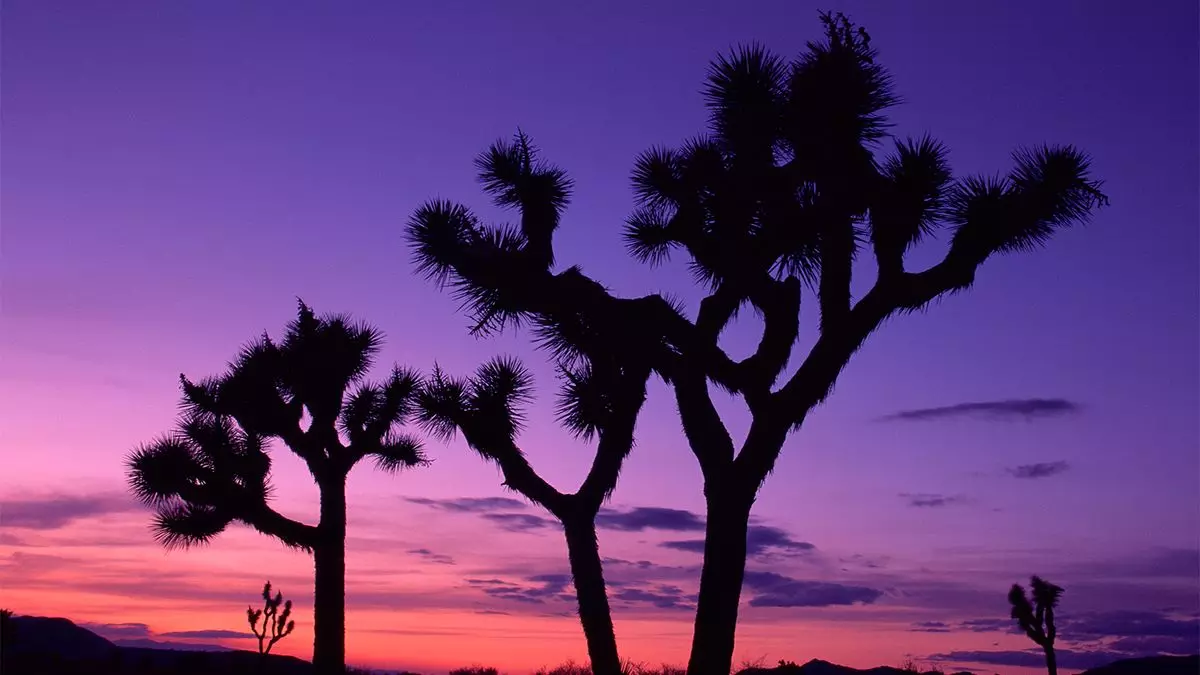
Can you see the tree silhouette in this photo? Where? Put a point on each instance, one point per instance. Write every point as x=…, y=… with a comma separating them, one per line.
x=276, y=625
x=778, y=197
x=214, y=469
x=600, y=402
x=1036, y=618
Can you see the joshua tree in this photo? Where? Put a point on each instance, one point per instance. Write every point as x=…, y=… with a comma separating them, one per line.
x=276, y=625
x=1037, y=618
x=215, y=469
x=595, y=401
x=778, y=197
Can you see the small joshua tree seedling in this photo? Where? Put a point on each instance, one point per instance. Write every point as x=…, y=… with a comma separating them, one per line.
x=1036, y=618
x=276, y=624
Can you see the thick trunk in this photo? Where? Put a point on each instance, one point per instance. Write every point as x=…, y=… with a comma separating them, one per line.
x=594, y=613
x=329, y=603
x=1051, y=660
x=720, y=581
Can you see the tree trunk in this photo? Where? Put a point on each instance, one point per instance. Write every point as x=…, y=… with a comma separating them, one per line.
x=594, y=614
x=329, y=603
x=720, y=581
x=1051, y=660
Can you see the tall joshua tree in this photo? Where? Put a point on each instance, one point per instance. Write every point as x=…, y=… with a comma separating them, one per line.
x=596, y=401
x=603, y=374
x=1037, y=618
x=214, y=469
x=774, y=202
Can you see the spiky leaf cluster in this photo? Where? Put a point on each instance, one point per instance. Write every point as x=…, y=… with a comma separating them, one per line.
x=214, y=468
x=1035, y=616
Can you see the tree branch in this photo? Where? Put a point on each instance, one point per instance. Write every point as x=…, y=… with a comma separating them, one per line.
x=779, y=302
x=815, y=378
x=702, y=425
x=616, y=440
x=519, y=476
x=837, y=259
x=263, y=518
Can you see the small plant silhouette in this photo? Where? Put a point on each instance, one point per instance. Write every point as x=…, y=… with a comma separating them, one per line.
x=1036, y=618
x=276, y=625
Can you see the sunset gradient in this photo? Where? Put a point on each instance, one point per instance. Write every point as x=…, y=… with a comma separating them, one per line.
x=176, y=174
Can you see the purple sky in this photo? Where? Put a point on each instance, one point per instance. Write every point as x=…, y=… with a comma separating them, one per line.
x=175, y=174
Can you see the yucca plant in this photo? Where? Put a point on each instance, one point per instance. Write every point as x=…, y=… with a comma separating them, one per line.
x=775, y=201
x=276, y=624
x=600, y=402
x=1036, y=618
x=308, y=393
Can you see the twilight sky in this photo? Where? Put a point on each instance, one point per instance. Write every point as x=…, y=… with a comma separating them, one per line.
x=176, y=174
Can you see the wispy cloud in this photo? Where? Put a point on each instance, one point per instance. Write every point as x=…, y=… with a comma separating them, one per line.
x=1162, y=563
x=207, y=634
x=649, y=518
x=1067, y=658
x=469, y=504
x=761, y=540
x=1039, y=470
x=989, y=626
x=520, y=522
x=118, y=631
x=777, y=590
x=438, y=558
x=1009, y=409
x=52, y=512
x=926, y=500
x=535, y=589
x=930, y=627
x=1129, y=623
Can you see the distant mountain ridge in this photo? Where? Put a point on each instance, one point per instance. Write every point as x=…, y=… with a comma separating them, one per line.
x=57, y=646
x=819, y=667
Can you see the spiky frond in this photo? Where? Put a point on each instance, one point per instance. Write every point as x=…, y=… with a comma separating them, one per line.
x=499, y=391
x=912, y=195
x=1049, y=188
x=744, y=95
x=442, y=404
x=163, y=470
x=583, y=406
x=513, y=174
x=439, y=233
x=648, y=236
x=1045, y=594
x=656, y=179
x=252, y=390
x=980, y=210
x=370, y=413
x=359, y=410
x=322, y=355
x=181, y=524
x=837, y=94
x=1021, y=608
x=399, y=451
x=485, y=291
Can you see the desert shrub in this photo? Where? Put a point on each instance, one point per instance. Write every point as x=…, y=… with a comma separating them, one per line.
x=475, y=670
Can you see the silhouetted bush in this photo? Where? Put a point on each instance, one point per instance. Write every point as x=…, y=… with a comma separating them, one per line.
x=475, y=670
